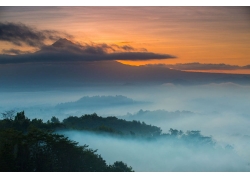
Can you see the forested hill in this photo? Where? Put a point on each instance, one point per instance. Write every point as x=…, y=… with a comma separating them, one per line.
x=89, y=122
x=97, y=124
x=111, y=125
x=29, y=145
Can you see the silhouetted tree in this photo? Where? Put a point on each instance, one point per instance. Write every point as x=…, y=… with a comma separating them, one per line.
x=8, y=114
x=54, y=120
x=27, y=146
x=119, y=166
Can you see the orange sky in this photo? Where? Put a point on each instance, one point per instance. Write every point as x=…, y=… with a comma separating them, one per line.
x=193, y=34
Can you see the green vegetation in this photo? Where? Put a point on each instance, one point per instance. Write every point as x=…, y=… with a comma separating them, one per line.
x=112, y=125
x=30, y=145
x=134, y=129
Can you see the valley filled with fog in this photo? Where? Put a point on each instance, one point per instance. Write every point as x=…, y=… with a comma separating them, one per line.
x=217, y=110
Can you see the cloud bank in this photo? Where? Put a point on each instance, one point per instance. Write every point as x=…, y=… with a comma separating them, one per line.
x=64, y=50
x=200, y=66
x=20, y=34
x=14, y=51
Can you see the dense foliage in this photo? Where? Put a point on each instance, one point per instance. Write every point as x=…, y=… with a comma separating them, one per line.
x=111, y=124
x=135, y=129
x=29, y=145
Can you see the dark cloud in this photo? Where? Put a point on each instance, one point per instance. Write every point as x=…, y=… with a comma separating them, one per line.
x=246, y=67
x=14, y=51
x=64, y=50
x=137, y=56
x=115, y=48
x=20, y=34
x=199, y=66
x=130, y=48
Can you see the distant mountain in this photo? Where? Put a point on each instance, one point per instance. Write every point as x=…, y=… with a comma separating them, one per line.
x=50, y=72
x=157, y=115
x=105, y=73
x=96, y=102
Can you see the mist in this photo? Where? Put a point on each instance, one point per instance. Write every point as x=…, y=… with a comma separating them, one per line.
x=217, y=110
x=162, y=155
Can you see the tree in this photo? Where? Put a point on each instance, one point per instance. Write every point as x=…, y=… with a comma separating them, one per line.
x=8, y=114
x=119, y=166
x=174, y=132
x=20, y=116
x=54, y=120
x=42, y=151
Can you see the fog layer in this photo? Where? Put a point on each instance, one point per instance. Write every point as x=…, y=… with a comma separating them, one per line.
x=217, y=110
x=162, y=155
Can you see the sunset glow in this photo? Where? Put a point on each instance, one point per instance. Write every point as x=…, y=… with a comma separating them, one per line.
x=191, y=34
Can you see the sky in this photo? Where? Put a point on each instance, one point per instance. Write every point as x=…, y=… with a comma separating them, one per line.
x=191, y=38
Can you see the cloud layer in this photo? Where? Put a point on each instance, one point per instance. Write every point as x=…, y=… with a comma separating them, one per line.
x=199, y=66
x=14, y=51
x=20, y=34
x=64, y=50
